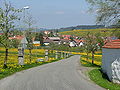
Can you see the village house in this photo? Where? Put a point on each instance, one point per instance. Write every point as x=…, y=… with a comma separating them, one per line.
x=111, y=60
x=18, y=37
x=64, y=41
x=1, y=33
x=48, y=40
x=79, y=42
x=72, y=44
x=66, y=37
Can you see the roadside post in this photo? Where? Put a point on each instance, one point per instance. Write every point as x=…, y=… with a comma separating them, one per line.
x=56, y=55
x=61, y=54
x=67, y=54
x=20, y=56
x=64, y=54
x=46, y=55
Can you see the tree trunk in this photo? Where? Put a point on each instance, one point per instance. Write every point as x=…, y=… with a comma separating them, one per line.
x=92, y=57
x=30, y=53
x=87, y=56
x=6, y=58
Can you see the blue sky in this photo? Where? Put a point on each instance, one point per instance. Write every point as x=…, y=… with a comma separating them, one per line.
x=57, y=13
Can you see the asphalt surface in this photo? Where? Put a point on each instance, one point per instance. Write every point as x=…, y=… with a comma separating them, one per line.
x=61, y=75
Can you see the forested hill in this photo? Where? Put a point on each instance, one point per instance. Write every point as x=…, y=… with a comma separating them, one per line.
x=81, y=27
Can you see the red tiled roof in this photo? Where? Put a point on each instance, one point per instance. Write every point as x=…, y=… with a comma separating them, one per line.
x=1, y=33
x=79, y=40
x=113, y=44
x=17, y=37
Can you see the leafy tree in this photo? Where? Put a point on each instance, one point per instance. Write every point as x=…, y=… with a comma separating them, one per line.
x=51, y=34
x=108, y=11
x=15, y=43
x=8, y=16
x=91, y=45
x=116, y=33
x=99, y=40
x=29, y=35
x=39, y=37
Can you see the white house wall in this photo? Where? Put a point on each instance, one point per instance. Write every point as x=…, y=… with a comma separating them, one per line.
x=109, y=56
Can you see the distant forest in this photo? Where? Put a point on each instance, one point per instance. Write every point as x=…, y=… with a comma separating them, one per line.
x=81, y=27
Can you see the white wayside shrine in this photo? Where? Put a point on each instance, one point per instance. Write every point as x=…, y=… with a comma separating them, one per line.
x=20, y=56
x=111, y=60
x=24, y=42
x=21, y=51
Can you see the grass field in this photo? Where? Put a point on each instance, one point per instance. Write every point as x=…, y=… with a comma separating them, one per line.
x=97, y=59
x=83, y=32
x=13, y=56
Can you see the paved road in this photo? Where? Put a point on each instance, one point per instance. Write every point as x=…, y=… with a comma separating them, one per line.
x=61, y=75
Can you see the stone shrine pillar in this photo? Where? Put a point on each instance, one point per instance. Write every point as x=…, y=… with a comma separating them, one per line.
x=46, y=55
x=56, y=55
x=62, y=55
x=67, y=54
x=20, y=56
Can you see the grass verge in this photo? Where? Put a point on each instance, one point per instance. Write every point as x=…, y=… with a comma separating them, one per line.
x=97, y=75
x=99, y=78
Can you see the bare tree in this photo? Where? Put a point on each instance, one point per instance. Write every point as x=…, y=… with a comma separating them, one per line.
x=29, y=35
x=8, y=16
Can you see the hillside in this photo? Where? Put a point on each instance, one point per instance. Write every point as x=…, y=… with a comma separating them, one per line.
x=83, y=32
x=80, y=27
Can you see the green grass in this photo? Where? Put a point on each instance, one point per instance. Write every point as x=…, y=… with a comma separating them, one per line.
x=88, y=64
x=101, y=79
x=98, y=76
x=83, y=32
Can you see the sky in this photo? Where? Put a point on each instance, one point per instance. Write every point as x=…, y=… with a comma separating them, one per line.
x=57, y=13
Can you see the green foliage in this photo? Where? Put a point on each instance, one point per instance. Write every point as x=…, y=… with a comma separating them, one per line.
x=63, y=47
x=89, y=64
x=91, y=45
x=39, y=37
x=101, y=79
x=8, y=16
x=15, y=43
x=116, y=33
x=83, y=32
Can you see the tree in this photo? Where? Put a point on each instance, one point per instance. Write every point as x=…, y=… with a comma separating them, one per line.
x=99, y=40
x=91, y=45
x=29, y=35
x=39, y=37
x=108, y=11
x=8, y=16
x=51, y=34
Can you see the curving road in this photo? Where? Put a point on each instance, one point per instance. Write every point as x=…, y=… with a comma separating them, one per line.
x=61, y=75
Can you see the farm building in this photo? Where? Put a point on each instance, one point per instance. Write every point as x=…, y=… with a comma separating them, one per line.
x=111, y=60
